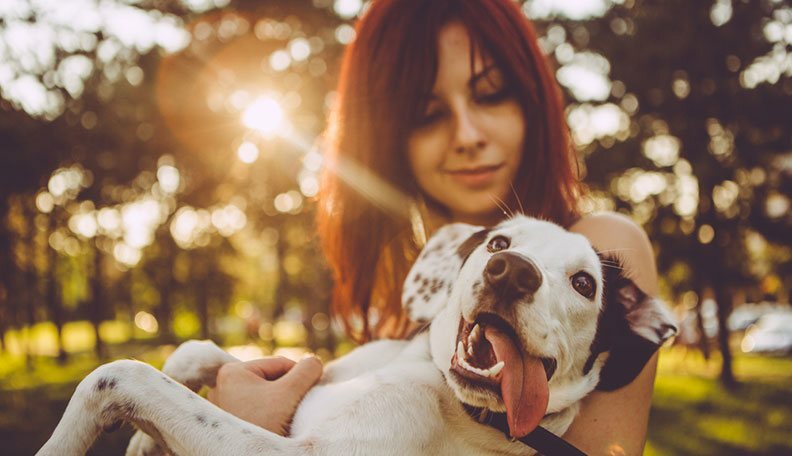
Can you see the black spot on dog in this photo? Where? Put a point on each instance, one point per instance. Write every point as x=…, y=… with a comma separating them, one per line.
x=629, y=351
x=215, y=424
x=410, y=300
x=470, y=244
x=167, y=380
x=200, y=419
x=106, y=383
x=417, y=278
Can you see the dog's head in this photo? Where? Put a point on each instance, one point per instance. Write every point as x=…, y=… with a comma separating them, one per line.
x=527, y=318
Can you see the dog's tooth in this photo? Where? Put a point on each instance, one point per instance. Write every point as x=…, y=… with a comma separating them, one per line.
x=470, y=368
x=495, y=370
x=475, y=332
x=460, y=352
x=470, y=349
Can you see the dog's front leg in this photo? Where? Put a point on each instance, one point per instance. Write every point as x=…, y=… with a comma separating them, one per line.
x=193, y=364
x=183, y=421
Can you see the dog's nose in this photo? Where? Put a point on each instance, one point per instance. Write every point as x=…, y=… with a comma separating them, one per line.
x=512, y=273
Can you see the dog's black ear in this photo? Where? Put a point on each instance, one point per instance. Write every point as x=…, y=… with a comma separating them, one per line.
x=632, y=326
x=430, y=280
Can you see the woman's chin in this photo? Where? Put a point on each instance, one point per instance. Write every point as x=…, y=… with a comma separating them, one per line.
x=484, y=214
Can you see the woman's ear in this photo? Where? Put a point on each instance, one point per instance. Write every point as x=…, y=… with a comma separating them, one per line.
x=429, y=282
x=632, y=326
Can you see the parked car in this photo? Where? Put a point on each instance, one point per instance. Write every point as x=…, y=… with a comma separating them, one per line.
x=747, y=314
x=772, y=333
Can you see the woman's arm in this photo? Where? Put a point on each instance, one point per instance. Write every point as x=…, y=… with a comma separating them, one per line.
x=615, y=423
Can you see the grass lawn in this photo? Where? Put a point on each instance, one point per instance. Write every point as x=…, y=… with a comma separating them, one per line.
x=692, y=414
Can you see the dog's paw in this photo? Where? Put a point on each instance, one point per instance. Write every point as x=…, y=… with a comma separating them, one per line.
x=195, y=363
x=142, y=444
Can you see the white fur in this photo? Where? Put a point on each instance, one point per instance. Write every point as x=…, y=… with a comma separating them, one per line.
x=386, y=397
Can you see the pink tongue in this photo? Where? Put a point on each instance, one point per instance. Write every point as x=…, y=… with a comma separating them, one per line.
x=523, y=384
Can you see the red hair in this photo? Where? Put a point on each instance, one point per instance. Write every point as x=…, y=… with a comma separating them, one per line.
x=385, y=75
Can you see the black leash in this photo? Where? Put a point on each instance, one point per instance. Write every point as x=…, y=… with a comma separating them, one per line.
x=540, y=439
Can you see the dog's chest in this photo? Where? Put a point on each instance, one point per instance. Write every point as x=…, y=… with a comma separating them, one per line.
x=386, y=374
x=394, y=393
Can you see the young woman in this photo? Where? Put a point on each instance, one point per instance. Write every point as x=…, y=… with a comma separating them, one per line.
x=447, y=111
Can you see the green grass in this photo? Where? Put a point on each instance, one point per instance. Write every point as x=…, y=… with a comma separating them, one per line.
x=692, y=413
x=33, y=400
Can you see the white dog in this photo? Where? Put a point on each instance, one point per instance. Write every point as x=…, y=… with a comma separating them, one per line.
x=526, y=318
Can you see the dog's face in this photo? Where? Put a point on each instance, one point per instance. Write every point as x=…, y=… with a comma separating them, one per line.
x=521, y=314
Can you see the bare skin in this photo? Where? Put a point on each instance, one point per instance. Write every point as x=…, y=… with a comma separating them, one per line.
x=615, y=423
x=243, y=387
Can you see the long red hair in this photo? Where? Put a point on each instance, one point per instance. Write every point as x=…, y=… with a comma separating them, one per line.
x=385, y=75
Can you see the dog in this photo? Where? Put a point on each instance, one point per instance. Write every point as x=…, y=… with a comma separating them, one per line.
x=523, y=319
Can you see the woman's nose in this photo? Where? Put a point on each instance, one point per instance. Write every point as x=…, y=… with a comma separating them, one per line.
x=468, y=137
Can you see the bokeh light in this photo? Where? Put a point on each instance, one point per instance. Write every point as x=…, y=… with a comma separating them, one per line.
x=264, y=115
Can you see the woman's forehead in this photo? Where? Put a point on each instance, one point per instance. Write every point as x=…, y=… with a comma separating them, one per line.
x=454, y=42
x=454, y=56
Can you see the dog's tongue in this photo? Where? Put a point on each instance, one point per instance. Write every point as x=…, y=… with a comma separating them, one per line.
x=523, y=384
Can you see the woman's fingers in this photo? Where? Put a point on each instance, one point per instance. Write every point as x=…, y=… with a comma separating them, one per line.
x=266, y=391
x=303, y=376
x=269, y=368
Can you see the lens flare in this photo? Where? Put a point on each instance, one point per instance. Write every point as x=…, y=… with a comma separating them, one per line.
x=264, y=115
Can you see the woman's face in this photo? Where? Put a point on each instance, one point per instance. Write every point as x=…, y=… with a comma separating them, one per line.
x=466, y=148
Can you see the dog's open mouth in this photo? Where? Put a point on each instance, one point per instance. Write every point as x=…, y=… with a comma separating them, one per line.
x=489, y=354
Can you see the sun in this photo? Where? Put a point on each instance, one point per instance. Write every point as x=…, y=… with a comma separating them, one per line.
x=264, y=115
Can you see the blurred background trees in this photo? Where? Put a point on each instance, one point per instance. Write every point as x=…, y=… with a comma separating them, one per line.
x=158, y=159
x=158, y=173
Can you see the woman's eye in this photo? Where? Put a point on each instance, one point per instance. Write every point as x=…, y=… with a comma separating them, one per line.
x=584, y=285
x=430, y=118
x=497, y=244
x=494, y=97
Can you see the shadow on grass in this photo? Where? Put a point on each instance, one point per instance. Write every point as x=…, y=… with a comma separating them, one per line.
x=28, y=417
x=33, y=400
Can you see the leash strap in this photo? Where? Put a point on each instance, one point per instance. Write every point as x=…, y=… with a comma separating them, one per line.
x=540, y=439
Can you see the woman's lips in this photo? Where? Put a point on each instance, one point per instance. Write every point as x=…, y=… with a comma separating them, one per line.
x=480, y=176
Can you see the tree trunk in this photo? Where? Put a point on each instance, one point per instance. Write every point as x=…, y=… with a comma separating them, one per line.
x=202, y=296
x=29, y=280
x=703, y=339
x=723, y=296
x=96, y=310
x=54, y=303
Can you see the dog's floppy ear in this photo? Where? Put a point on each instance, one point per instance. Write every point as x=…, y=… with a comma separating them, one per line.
x=429, y=282
x=632, y=326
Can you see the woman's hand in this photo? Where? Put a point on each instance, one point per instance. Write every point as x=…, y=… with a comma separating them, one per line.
x=265, y=391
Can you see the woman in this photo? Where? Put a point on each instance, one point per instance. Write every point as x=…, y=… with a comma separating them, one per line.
x=451, y=104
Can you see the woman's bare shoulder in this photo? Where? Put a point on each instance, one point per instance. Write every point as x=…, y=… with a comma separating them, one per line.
x=616, y=422
x=619, y=236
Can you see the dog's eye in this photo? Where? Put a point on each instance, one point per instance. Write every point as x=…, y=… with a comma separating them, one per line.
x=497, y=244
x=584, y=284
